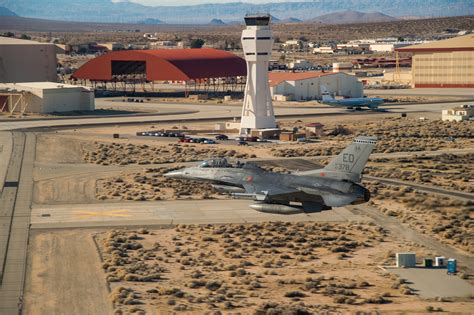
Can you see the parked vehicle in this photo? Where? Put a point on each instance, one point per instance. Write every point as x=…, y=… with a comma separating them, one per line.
x=185, y=139
x=222, y=137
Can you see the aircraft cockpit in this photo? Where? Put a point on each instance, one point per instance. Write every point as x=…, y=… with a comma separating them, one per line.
x=219, y=163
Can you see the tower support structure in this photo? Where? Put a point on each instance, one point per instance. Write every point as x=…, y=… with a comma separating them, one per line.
x=257, y=43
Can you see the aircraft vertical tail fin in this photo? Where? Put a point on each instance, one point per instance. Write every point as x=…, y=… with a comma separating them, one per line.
x=352, y=160
x=326, y=96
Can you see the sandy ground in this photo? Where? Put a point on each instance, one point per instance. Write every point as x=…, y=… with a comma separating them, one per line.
x=261, y=267
x=64, y=275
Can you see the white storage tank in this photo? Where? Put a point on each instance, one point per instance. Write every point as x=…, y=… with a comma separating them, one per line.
x=406, y=260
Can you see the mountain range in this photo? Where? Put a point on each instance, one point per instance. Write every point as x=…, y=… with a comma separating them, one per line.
x=349, y=17
x=129, y=12
x=6, y=12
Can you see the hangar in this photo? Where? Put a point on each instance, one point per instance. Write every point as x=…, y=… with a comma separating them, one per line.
x=303, y=86
x=44, y=97
x=27, y=61
x=206, y=66
x=446, y=63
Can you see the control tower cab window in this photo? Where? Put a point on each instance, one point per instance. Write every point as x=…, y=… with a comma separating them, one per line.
x=257, y=20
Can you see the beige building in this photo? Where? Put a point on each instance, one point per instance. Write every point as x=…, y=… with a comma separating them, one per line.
x=446, y=63
x=27, y=61
x=305, y=86
x=464, y=112
x=45, y=97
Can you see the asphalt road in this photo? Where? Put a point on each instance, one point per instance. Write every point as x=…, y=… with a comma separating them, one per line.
x=19, y=178
x=430, y=283
x=168, y=213
x=215, y=113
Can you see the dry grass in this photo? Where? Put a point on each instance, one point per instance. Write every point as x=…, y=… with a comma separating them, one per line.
x=264, y=267
x=152, y=185
x=455, y=172
x=125, y=154
x=394, y=134
x=450, y=221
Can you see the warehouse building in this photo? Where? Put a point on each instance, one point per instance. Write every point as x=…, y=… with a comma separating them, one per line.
x=303, y=86
x=27, y=61
x=443, y=64
x=204, y=68
x=44, y=97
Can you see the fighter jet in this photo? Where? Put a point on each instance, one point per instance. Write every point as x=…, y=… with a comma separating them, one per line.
x=352, y=103
x=336, y=185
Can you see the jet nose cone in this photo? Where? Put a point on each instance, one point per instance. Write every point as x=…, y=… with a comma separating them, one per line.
x=174, y=174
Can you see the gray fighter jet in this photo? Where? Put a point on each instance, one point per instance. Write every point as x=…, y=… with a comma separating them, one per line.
x=335, y=185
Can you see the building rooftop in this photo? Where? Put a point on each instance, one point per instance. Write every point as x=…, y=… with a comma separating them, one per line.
x=16, y=41
x=37, y=85
x=164, y=64
x=276, y=78
x=459, y=43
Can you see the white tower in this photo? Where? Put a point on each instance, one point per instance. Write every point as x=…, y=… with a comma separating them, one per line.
x=257, y=42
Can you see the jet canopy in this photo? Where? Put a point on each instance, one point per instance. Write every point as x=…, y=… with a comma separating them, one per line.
x=220, y=163
x=215, y=163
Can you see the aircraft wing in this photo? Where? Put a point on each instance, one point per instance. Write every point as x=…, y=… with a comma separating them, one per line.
x=267, y=190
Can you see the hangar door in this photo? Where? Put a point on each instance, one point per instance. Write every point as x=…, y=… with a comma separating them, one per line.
x=128, y=68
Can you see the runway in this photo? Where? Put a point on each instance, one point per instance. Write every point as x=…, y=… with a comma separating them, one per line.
x=168, y=213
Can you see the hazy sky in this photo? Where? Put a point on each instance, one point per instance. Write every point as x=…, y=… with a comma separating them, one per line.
x=191, y=2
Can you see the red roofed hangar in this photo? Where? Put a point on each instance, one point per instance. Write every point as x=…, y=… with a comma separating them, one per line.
x=162, y=65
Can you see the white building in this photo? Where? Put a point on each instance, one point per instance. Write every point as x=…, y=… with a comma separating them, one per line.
x=45, y=97
x=293, y=44
x=27, y=61
x=303, y=86
x=323, y=50
x=387, y=47
x=464, y=112
x=257, y=43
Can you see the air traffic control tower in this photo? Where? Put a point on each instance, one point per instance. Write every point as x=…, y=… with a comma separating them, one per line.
x=257, y=43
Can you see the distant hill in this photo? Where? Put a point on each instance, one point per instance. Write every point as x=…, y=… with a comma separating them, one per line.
x=274, y=19
x=125, y=11
x=217, y=22
x=292, y=20
x=151, y=21
x=6, y=12
x=326, y=32
x=352, y=17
